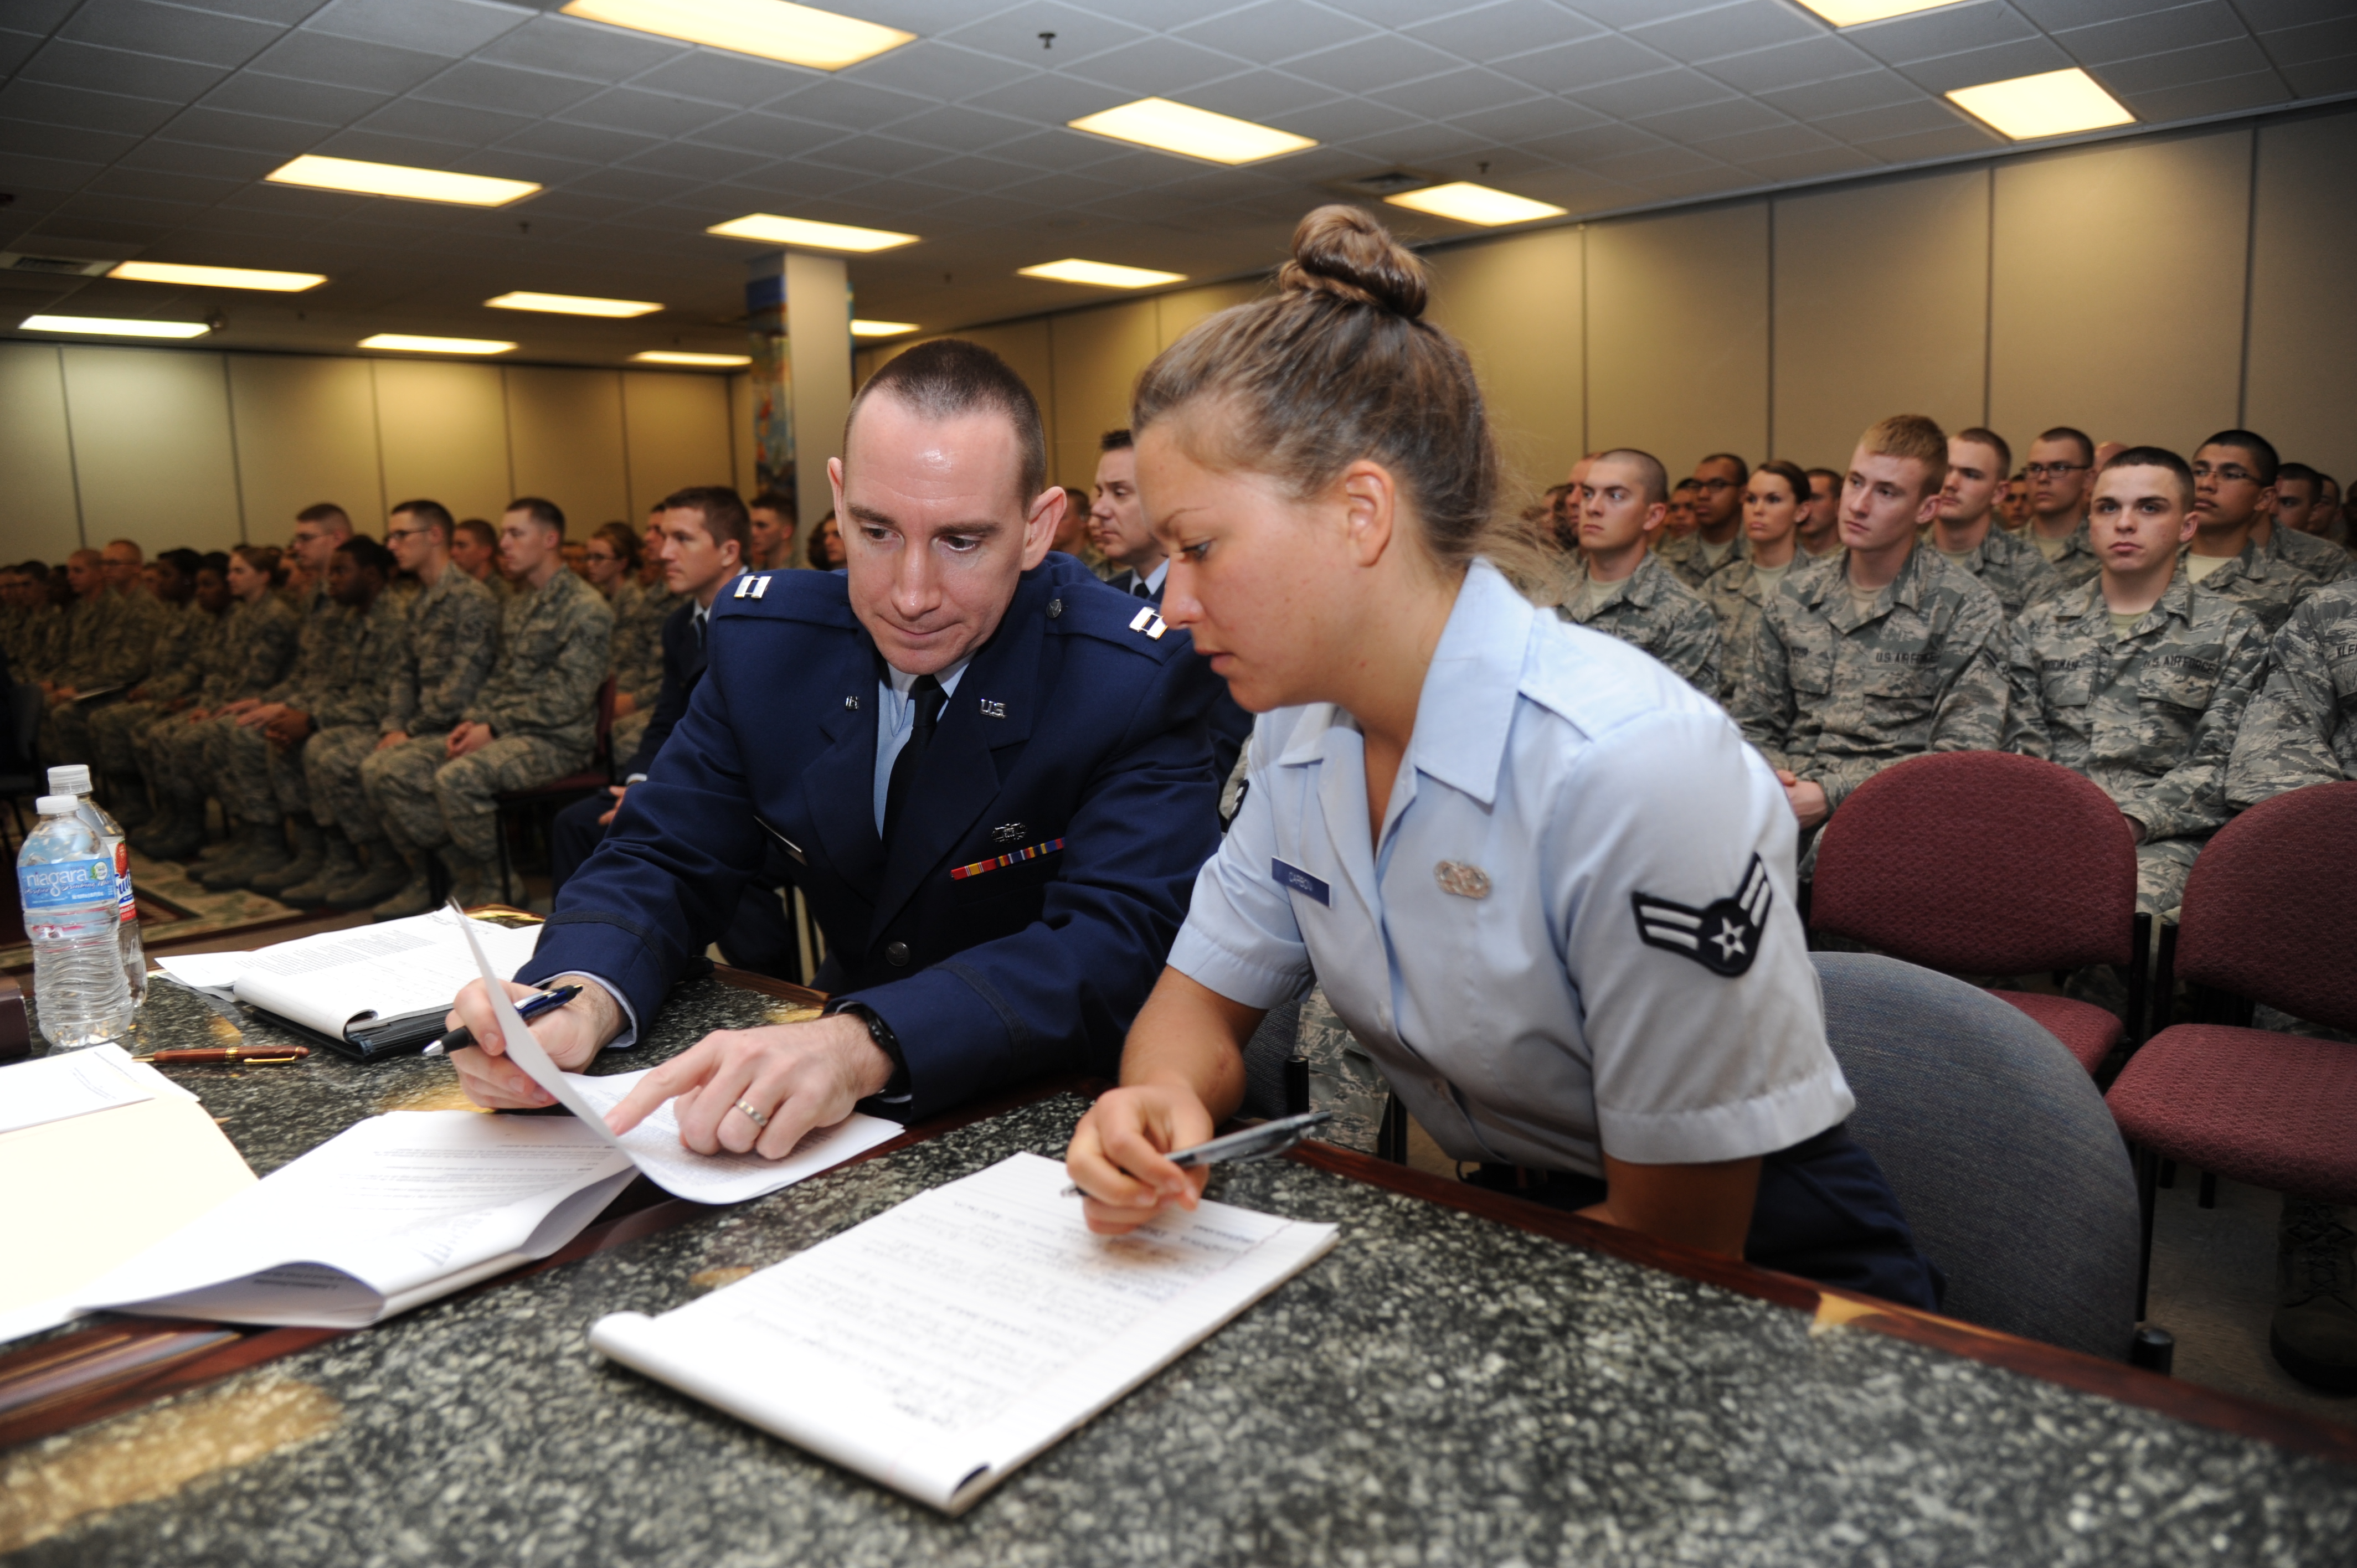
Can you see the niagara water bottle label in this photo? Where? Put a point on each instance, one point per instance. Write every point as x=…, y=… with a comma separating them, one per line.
x=126, y=902
x=65, y=884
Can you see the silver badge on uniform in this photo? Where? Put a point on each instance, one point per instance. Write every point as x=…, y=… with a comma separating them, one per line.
x=1007, y=833
x=1465, y=881
x=991, y=710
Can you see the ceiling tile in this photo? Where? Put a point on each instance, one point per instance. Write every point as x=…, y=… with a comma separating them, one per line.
x=591, y=144
x=937, y=71
x=2316, y=40
x=1346, y=120
x=1751, y=146
x=1663, y=90
x=40, y=15
x=790, y=180
x=287, y=13
x=168, y=157
x=2183, y=67
x=1627, y=14
x=1419, y=145
x=1370, y=63
x=1792, y=64
x=73, y=144
x=47, y=103
x=649, y=113
x=279, y=98
x=1458, y=93
x=1508, y=27
x=2314, y=79
x=719, y=77
x=70, y=64
x=170, y=30
x=772, y=135
x=1054, y=150
x=24, y=172
x=2179, y=28
x=17, y=48
x=876, y=156
x=1262, y=96
x=1014, y=34
x=624, y=185
x=1162, y=68
x=2270, y=16
x=250, y=133
x=1874, y=90
x=1274, y=30
x=2222, y=95
x=1998, y=62
x=974, y=174
x=854, y=105
x=1832, y=161
x=451, y=27
x=341, y=62
x=1707, y=122
x=478, y=83
x=445, y=123
x=1952, y=29
x=1946, y=142
x=1729, y=29
x=1898, y=120
x=1543, y=116
x=1643, y=168
x=1566, y=68
x=158, y=185
x=956, y=129
x=1583, y=147
x=574, y=47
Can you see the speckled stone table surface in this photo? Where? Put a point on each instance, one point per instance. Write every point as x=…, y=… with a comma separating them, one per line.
x=1440, y=1389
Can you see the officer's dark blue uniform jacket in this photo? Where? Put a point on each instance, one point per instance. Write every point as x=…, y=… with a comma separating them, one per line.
x=1067, y=726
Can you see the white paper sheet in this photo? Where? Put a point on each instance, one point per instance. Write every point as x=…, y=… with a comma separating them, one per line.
x=71, y=1083
x=328, y=981
x=653, y=1144
x=938, y=1345
x=207, y=971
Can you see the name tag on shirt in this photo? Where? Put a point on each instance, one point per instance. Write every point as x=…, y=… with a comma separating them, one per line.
x=1300, y=881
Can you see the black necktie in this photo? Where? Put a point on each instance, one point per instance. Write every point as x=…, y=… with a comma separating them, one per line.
x=700, y=614
x=1140, y=589
x=928, y=695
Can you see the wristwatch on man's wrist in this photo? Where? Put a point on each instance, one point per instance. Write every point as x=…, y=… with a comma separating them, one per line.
x=886, y=1041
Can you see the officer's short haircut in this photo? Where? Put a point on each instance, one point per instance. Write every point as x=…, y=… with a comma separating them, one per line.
x=546, y=513
x=1681, y=486
x=433, y=515
x=2086, y=443
x=329, y=515
x=1835, y=479
x=2302, y=474
x=1980, y=436
x=2263, y=460
x=369, y=555
x=1742, y=468
x=1914, y=435
x=479, y=531
x=772, y=500
x=1115, y=441
x=139, y=556
x=182, y=560
x=724, y=514
x=1651, y=477
x=2159, y=457
x=951, y=377
x=212, y=560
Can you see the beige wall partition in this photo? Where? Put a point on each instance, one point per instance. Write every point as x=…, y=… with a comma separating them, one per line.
x=40, y=514
x=307, y=430
x=559, y=423
x=1515, y=305
x=1677, y=334
x=2301, y=356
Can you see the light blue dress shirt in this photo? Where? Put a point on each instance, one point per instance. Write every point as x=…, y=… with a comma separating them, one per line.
x=896, y=721
x=1575, y=836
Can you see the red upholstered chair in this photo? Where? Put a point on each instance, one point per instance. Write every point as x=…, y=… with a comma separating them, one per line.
x=1985, y=862
x=2270, y=915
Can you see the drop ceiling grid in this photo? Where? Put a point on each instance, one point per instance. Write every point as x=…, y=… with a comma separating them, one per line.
x=131, y=127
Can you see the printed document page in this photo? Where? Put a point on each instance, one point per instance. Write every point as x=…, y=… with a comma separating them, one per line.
x=941, y=1345
x=387, y=1214
x=71, y=1083
x=337, y=978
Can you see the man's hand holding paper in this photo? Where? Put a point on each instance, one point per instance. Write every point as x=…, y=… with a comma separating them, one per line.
x=796, y=1076
x=571, y=1035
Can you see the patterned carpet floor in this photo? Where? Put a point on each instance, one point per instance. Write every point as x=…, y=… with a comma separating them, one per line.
x=173, y=907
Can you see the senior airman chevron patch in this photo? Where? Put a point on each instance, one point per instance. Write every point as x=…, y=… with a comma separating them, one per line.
x=1723, y=936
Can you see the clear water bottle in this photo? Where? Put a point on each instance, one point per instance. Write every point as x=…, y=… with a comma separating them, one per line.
x=67, y=879
x=74, y=780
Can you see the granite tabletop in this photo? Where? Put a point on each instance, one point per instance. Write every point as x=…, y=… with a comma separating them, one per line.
x=1440, y=1389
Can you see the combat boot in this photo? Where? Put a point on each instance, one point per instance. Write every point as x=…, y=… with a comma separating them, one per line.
x=338, y=866
x=310, y=854
x=416, y=896
x=2314, y=1333
x=467, y=884
x=127, y=799
x=266, y=850
x=168, y=834
x=385, y=875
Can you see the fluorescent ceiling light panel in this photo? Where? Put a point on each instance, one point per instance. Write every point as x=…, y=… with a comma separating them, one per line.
x=1850, y=13
x=571, y=303
x=218, y=277
x=862, y=328
x=113, y=326
x=401, y=180
x=1101, y=275
x=1170, y=127
x=773, y=29
x=678, y=357
x=411, y=343
x=2051, y=103
x=1469, y=203
x=811, y=236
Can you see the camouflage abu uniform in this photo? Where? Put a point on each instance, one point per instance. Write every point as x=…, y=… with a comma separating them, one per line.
x=2264, y=584
x=1835, y=694
x=257, y=648
x=349, y=715
x=251, y=789
x=541, y=704
x=2008, y=567
x=452, y=641
x=2308, y=555
x=2149, y=716
x=105, y=642
x=1735, y=596
x=1682, y=554
x=2078, y=563
x=637, y=664
x=2301, y=728
x=176, y=664
x=1650, y=609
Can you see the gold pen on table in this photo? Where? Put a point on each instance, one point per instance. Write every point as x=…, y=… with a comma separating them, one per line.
x=252, y=1056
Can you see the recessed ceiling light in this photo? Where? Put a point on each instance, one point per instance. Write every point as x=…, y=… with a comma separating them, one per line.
x=774, y=29
x=399, y=180
x=1471, y=203
x=218, y=277
x=777, y=231
x=1102, y=274
x=1170, y=127
x=2051, y=103
x=861, y=329
x=411, y=343
x=1850, y=13
x=677, y=357
x=113, y=326
x=571, y=303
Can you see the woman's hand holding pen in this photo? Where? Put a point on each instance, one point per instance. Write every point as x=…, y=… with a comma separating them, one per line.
x=570, y=1035
x=1116, y=1154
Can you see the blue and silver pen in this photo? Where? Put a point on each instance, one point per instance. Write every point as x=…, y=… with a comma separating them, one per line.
x=530, y=1007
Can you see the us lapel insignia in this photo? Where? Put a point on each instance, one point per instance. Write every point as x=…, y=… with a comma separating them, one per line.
x=852, y=704
x=991, y=710
x=1465, y=881
x=1723, y=936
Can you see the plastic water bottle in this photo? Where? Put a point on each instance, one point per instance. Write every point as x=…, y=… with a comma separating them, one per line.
x=74, y=780
x=68, y=882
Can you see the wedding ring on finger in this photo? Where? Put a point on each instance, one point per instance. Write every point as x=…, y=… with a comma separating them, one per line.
x=746, y=1107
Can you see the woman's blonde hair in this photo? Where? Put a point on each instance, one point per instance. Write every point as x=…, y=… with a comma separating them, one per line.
x=1339, y=365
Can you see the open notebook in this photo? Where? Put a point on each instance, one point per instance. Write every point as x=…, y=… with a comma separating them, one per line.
x=940, y=1346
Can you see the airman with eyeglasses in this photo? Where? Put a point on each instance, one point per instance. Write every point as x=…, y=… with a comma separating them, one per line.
x=2060, y=469
x=2234, y=490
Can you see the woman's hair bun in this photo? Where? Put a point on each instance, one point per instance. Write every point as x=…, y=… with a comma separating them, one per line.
x=1344, y=252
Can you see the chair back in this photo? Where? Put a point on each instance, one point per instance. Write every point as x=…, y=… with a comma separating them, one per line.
x=2271, y=907
x=1979, y=863
x=1999, y=1147
x=24, y=728
x=601, y=755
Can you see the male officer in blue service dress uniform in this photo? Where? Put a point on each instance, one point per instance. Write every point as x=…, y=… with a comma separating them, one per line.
x=991, y=774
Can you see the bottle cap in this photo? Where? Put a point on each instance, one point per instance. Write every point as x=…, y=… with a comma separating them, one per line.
x=70, y=779
x=57, y=805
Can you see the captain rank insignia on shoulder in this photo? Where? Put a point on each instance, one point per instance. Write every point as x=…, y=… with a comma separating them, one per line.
x=751, y=588
x=1148, y=622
